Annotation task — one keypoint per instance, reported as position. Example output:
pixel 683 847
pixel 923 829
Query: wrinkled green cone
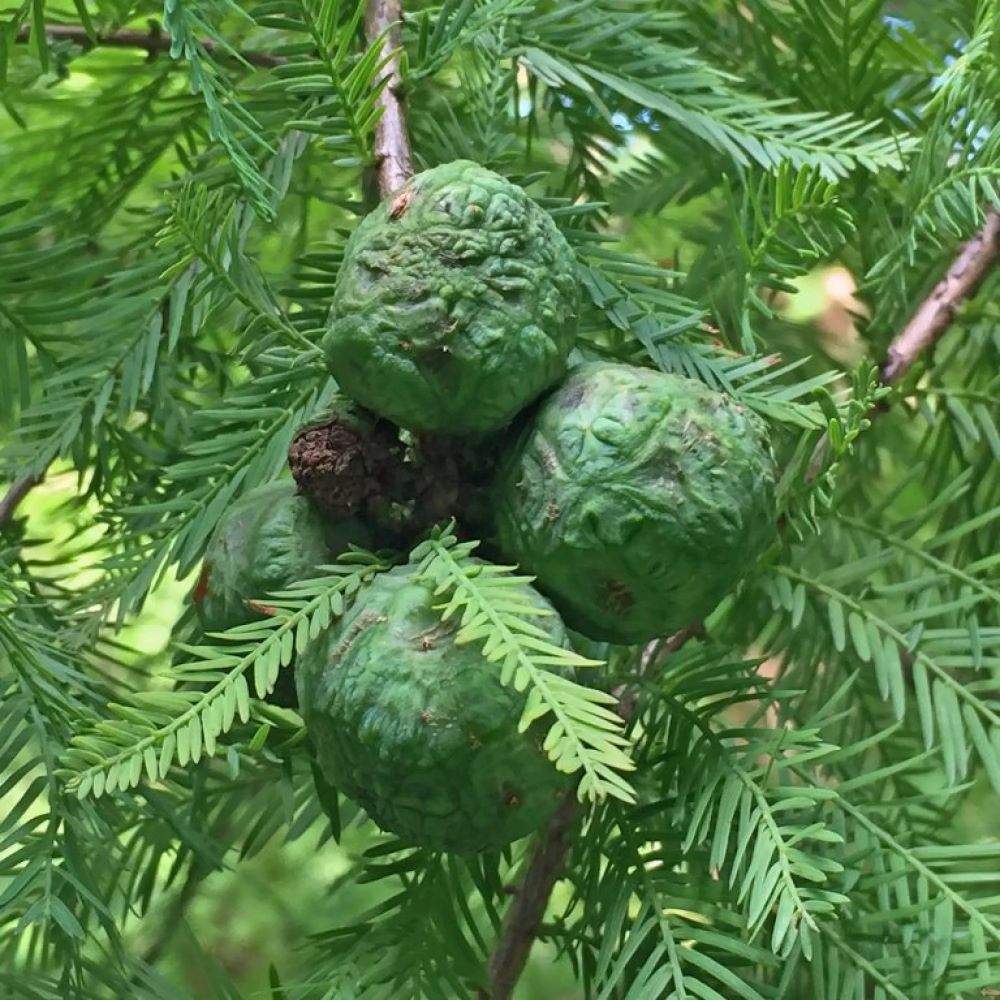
pixel 418 730
pixel 638 499
pixel 455 305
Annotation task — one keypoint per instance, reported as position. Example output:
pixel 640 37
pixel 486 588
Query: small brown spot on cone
pixel 511 797
pixel 401 203
pixel 201 587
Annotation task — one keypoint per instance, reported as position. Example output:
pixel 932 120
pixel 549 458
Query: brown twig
pixel 526 912
pixel 394 162
pixel 549 858
pixel 153 42
pixel 937 311
pixel 15 495
pixel 932 319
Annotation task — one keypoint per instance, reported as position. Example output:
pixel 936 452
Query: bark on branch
pixel 154 42
pixel 932 319
pixel 393 160
pixel 526 912
pixel 937 311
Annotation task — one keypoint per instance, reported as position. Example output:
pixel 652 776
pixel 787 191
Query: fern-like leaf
pixel 159 727
pixel 585 734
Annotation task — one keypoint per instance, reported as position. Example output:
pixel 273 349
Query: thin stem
pixel 932 318
pixel 935 314
pixel 153 42
pixel 394 162
pixel 15 495
pixel 525 914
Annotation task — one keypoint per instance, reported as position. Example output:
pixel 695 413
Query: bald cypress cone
pixel 638 499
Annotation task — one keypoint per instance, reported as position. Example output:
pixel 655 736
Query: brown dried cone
pixel 353 463
pixel 346 460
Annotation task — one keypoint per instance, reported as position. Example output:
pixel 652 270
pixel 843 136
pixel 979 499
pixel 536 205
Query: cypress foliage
pixel 796 798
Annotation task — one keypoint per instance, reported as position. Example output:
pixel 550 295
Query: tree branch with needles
pixel 548 859
pixel 393 158
pixel 154 42
pixel 928 324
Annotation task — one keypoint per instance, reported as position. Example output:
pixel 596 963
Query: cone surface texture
pixel 638 499
pixel 455 304
pixel 418 730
